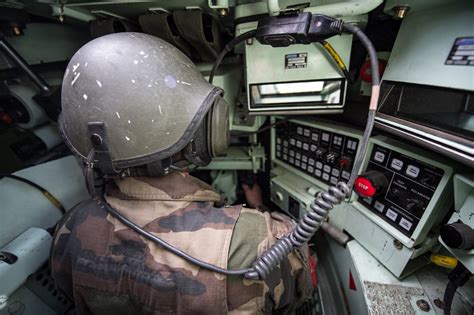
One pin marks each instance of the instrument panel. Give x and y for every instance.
(417, 195)
(412, 184)
(322, 153)
(396, 225)
(319, 154)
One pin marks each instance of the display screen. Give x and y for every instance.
(303, 93)
(447, 110)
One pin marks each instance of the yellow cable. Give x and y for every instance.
(53, 200)
(334, 56)
(444, 261)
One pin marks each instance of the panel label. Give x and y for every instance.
(296, 61)
(462, 52)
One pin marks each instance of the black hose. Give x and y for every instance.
(234, 42)
(374, 64)
(325, 201)
(456, 278)
(448, 297)
(374, 61)
(44, 191)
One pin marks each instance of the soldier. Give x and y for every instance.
(137, 111)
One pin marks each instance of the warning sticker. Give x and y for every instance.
(462, 52)
(295, 61)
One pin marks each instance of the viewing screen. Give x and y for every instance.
(447, 110)
(326, 92)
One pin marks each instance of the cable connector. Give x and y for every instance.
(284, 30)
(459, 275)
(337, 26)
(323, 27)
(300, 28)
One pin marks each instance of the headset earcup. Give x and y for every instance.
(212, 137)
(218, 128)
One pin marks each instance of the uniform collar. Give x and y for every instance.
(176, 186)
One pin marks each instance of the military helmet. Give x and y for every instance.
(137, 100)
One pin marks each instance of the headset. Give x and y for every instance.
(210, 140)
(212, 137)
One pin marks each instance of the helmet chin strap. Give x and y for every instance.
(100, 145)
(89, 174)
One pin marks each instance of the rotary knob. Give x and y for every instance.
(370, 184)
(279, 196)
(458, 235)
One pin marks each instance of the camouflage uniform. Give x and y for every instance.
(107, 268)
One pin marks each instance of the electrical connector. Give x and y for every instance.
(323, 27)
(298, 28)
(285, 30)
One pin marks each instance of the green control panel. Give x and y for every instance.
(397, 225)
(322, 153)
(411, 187)
(307, 157)
(418, 193)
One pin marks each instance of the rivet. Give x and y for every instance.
(398, 245)
(96, 139)
(423, 305)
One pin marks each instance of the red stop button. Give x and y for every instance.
(370, 183)
(364, 187)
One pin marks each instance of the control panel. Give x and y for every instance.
(322, 153)
(411, 186)
(307, 156)
(404, 194)
(404, 190)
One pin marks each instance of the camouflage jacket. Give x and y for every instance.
(105, 267)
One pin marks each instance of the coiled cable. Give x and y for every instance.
(302, 233)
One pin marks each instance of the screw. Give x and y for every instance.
(398, 245)
(17, 31)
(223, 11)
(423, 305)
(439, 304)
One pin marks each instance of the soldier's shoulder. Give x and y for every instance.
(277, 222)
(254, 232)
(80, 212)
